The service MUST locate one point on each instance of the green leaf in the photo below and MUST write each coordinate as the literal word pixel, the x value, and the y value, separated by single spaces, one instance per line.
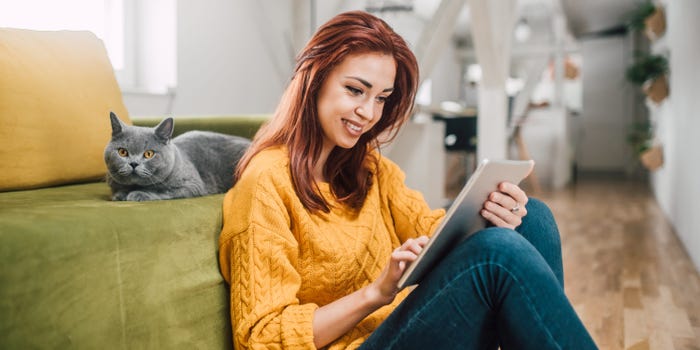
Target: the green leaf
pixel 646 67
pixel 635 20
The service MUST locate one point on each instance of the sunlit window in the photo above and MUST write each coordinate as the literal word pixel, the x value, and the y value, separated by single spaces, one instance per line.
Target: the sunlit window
pixel 105 18
pixel 140 36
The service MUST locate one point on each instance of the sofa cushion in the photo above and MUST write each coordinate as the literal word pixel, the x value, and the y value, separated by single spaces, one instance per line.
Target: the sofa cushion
pixel 78 271
pixel 57 89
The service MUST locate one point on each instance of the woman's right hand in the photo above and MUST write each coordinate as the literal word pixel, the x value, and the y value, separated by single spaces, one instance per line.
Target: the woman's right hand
pixel 386 286
pixel 337 318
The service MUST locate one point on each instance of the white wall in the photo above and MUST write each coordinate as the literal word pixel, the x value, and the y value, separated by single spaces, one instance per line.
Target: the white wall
pixel 605 113
pixel 233 56
pixel 677 184
pixel 546 137
pixel 226 62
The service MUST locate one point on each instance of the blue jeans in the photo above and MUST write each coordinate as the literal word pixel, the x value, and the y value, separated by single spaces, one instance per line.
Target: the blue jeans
pixel 497 288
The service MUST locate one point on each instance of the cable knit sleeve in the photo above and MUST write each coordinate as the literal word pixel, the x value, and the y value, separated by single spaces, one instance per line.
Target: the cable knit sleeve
pixel 406 208
pixel 258 257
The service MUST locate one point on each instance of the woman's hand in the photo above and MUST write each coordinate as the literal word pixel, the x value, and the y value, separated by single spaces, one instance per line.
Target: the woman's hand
pixel 505 207
pixel 386 286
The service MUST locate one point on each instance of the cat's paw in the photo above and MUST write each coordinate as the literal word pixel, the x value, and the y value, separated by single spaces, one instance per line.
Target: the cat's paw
pixel 141 196
pixel 119 196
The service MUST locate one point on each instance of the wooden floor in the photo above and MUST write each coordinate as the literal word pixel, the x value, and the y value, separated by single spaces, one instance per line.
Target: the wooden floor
pixel 626 272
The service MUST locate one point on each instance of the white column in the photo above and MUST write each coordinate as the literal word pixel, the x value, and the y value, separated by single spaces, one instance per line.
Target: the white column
pixel 492 27
pixel 436 35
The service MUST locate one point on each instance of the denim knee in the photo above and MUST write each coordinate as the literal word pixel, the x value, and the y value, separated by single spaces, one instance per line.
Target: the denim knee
pixel 540 229
pixel 538 209
pixel 539 222
pixel 511 251
pixel 499 241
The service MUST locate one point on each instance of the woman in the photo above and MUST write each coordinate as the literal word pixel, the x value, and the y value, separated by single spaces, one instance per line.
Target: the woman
pixel 320 227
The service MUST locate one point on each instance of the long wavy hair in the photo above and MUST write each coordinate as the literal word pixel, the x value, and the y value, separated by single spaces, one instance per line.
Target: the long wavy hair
pixel 295 122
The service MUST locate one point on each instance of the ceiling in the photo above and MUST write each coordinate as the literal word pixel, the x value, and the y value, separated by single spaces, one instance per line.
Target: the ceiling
pixel 594 17
pixel 584 17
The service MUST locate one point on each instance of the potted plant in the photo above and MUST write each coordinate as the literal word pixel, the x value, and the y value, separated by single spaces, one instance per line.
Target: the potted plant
pixel 650 72
pixel 649 18
pixel 653 157
pixel 641 138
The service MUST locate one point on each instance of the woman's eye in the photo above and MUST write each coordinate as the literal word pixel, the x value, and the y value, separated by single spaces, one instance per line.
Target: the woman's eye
pixel 122 152
pixel 382 99
pixel 353 90
pixel 149 154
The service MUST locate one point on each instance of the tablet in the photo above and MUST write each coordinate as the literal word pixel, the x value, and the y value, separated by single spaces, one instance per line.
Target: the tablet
pixel 463 217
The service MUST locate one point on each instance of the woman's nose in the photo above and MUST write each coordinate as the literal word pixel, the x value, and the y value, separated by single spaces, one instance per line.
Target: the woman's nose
pixel 365 110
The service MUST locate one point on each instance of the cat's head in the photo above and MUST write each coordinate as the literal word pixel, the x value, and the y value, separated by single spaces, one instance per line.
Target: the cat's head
pixel 139 155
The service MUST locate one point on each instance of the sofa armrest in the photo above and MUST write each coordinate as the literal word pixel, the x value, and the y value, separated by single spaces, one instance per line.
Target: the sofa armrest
pixel 239 125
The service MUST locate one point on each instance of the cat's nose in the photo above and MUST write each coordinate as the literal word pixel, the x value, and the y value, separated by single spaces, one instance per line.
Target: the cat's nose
pixel 134 165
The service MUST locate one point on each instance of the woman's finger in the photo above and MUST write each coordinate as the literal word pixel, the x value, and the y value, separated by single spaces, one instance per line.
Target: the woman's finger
pixel 422 240
pixel 514 191
pixel 494 219
pixel 513 219
pixel 499 210
pixel 500 216
pixel 414 245
pixel 504 200
pixel 403 255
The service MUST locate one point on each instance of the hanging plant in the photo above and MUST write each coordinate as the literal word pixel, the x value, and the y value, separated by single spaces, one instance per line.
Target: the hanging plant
pixel 635 20
pixel 649 18
pixel 655 25
pixel 649 72
pixel 653 157
pixel 641 138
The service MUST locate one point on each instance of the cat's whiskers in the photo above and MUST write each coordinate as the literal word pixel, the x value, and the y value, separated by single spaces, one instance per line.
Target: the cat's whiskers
pixel 124 170
pixel 147 175
pixel 143 172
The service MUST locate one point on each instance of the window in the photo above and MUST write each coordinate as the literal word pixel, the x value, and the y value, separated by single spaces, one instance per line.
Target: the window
pixel 130 30
pixel 104 18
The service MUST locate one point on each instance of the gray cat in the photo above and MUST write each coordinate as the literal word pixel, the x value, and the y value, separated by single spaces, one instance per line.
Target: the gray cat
pixel 148 164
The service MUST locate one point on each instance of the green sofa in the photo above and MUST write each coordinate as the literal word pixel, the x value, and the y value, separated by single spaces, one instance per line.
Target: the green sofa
pixel 78 271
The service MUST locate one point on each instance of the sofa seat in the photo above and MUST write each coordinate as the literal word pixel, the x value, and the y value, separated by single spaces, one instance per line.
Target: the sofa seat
pixel 81 271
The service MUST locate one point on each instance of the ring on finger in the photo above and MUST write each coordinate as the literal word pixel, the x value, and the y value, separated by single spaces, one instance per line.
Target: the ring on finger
pixel 515 208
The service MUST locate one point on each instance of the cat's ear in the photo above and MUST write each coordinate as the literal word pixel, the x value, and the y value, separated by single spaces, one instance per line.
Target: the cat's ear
pixel 164 129
pixel 117 125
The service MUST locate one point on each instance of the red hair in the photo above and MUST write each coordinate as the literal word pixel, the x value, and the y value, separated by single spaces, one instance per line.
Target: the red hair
pixel 295 122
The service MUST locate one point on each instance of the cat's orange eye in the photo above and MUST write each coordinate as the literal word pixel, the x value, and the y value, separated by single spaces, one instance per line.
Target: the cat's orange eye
pixel 149 154
pixel 123 152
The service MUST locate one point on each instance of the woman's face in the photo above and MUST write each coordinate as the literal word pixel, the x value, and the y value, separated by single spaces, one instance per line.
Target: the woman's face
pixel 351 99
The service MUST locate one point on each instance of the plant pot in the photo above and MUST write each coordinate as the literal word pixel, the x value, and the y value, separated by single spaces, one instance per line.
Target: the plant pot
pixel 657 89
pixel 652 158
pixel 655 25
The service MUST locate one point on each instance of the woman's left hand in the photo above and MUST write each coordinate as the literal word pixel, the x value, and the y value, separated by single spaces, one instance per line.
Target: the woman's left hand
pixel 505 207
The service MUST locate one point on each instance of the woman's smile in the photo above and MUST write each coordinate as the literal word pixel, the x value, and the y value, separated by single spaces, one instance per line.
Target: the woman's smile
pixel 353 128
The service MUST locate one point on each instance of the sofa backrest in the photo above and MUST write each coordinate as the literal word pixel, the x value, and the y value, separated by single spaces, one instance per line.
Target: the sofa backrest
pixel 56 91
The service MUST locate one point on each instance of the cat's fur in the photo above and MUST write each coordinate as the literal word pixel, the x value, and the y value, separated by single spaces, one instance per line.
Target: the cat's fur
pixel 196 163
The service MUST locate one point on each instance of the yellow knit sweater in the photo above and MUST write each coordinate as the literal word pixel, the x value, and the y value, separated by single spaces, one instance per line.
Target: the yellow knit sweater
pixel 282 262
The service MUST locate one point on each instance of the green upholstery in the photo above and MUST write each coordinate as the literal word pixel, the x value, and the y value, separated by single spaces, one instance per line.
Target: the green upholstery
pixel 245 126
pixel 80 271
